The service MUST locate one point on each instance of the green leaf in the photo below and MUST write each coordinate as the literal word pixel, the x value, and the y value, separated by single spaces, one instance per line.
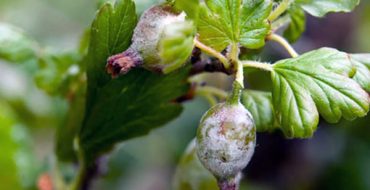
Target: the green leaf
pixel 316 82
pixel 191 174
pixel 84 42
pixel 15 46
pixel 17 161
pixel 320 8
pixel 9 179
pixel 260 105
pixel 225 22
pixel 110 33
pixel 131 105
pixel 66 133
pixel 57 72
pixel 297 25
pixel 190 7
pixel 362 64
pixel 176 45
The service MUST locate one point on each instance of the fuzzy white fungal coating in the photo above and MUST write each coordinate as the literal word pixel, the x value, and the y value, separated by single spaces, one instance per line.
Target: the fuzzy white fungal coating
pixel 226 139
pixel 148 31
pixel 158 27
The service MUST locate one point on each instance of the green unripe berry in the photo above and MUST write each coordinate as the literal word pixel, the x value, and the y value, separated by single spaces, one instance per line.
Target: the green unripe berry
pixel 226 139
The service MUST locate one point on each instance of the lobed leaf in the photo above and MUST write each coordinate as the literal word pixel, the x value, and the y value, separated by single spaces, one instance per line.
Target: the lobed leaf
pixel 316 82
pixel 260 105
pixel 131 105
pixel 225 22
pixel 362 64
pixel 297 25
pixel 320 8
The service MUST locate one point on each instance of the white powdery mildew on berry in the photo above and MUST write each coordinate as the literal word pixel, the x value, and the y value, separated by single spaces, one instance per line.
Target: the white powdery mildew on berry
pixel 149 30
pixel 226 139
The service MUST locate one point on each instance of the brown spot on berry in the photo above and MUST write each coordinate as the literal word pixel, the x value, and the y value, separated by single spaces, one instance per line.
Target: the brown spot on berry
pixel 122 63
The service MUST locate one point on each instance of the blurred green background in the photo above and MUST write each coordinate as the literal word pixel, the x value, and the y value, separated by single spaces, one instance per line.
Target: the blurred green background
pixel 337 157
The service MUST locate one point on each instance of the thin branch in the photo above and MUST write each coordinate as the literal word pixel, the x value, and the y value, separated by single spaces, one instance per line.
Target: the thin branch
pixel 284 43
pixel 211 99
pixel 206 64
pixel 234 57
pixel 210 94
pixel 256 64
pixel 212 52
pixel 213 91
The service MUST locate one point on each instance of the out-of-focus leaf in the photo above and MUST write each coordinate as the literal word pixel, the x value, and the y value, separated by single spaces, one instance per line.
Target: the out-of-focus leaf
pixel 190 7
pixel 176 45
pixel 260 105
pixel 191 174
pixel 316 82
pixel 15 46
pixel 226 22
pixel 320 8
pixel 297 24
pixel 66 133
pixel 18 165
pixel 131 105
pixel 57 72
pixel 362 64
pixel 84 43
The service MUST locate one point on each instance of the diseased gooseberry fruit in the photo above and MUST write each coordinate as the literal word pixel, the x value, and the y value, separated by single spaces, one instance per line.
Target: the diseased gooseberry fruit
pixel 159 27
pixel 226 139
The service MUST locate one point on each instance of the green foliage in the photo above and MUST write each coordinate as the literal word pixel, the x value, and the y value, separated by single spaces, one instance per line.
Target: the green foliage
pixel 19 168
pixel 316 82
pixel 297 24
pixel 191 174
pixel 15 46
pixel 320 8
pixel 104 111
pixel 7 163
pixel 176 45
pixel 362 64
pixel 225 22
pixel 131 105
pixel 57 71
pixel 260 105
pixel 190 7
pixel 66 133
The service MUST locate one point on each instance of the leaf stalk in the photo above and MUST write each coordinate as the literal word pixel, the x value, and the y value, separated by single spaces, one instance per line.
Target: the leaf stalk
pixel 212 52
pixel 284 43
pixel 258 65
